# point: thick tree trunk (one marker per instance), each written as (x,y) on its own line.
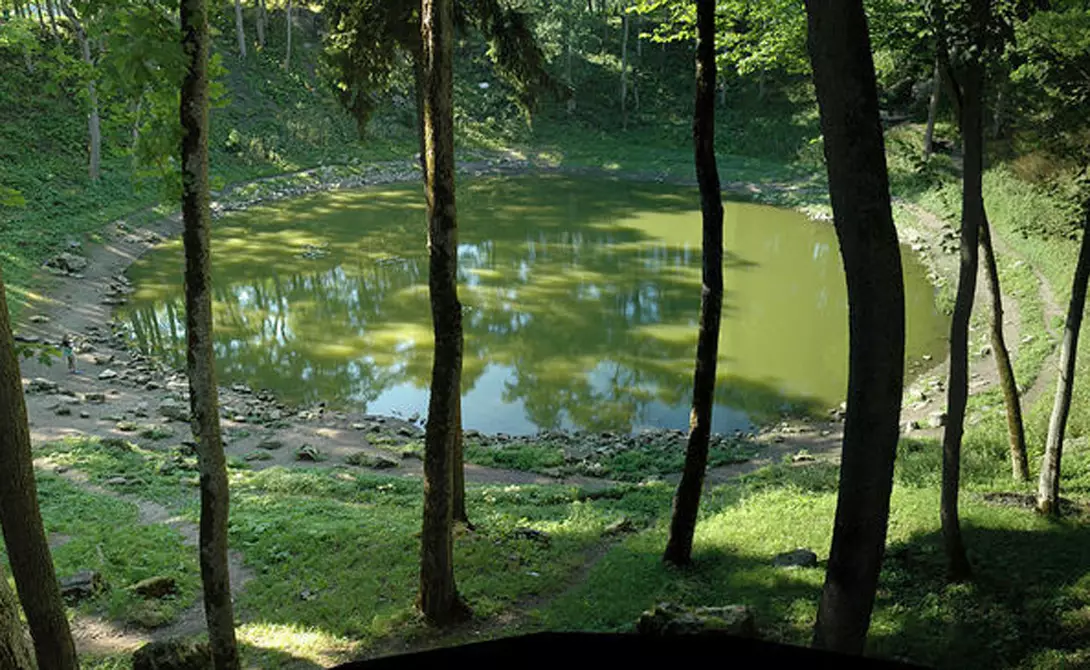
(844,79)
(287,51)
(932,111)
(21,518)
(94,130)
(1048,490)
(14,642)
(972,216)
(438,600)
(261,17)
(1015,429)
(200,363)
(679,545)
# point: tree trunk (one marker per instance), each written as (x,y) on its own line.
(14,643)
(53,21)
(41,17)
(844,80)
(624,71)
(932,111)
(94,130)
(287,52)
(261,17)
(239,30)
(1048,490)
(972,216)
(1015,430)
(679,545)
(458,494)
(21,518)
(200,364)
(438,600)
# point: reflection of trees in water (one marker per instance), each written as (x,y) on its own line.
(557,288)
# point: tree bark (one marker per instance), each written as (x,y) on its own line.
(94,130)
(932,111)
(200,363)
(439,600)
(261,17)
(624,71)
(14,642)
(679,544)
(458,474)
(287,52)
(846,87)
(21,518)
(1048,490)
(239,30)
(1016,433)
(53,21)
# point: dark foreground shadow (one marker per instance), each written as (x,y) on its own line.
(588,650)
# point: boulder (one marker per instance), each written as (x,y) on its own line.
(173,410)
(155,587)
(673,619)
(365,460)
(308,452)
(936,419)
(107,374)
(95,398)
(799,558)
(41,385)
(66,262)
(173,654)
(270,444)
(84,584)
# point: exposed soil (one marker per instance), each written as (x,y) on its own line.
(81,307)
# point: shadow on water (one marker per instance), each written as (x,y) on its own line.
(581,300)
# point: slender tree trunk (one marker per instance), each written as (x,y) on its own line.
(239,30)
(1048,490)
(418,90)
(200,363)
(932,111)
(439,600)
(458,493)
(844,79)
(21,518)
(287,52)
(1015,430)
(261,17)
(15,645)
(94,130)
(679,545)
(41,18)
(53,22)
(972,216)
(624,71)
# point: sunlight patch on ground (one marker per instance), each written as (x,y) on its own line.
(308,644)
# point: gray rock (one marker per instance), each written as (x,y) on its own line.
(532,534)
(173,410)
(84,584)
(175,654)
(116,481)
(85,415)
(66,262)
(107,374)
(672,619)
(155,587)
(62,410)
(936,419)
(95,398)
(41,385)
(270,444)
(365,460)
(799,558)
(308,452)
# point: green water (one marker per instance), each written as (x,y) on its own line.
(581,303)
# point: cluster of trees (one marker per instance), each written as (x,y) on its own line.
(970,46)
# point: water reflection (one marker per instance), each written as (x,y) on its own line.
(581,300)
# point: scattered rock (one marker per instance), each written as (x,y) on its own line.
(308,452)
(107,374)
(258,455)
(672,619)
(99,359)
(936,419)
(174,654)
(620,527)
(365,460)
(85,415)
(802,457)
(63,410)
(116,481)
(126,426)
(799,558)
(155,587)
(40,385)
(67,263)
(173,410)
(84,584)
(38,318)
(95,398)
(270,444)
(531,534)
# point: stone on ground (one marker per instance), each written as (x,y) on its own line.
(674,619)
(799,558)
(175,654)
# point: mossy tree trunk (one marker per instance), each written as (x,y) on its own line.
(844,79)
(21,518)
(239,31)
(679,544)
(438,599)
(14,643)
(1048,491)
(287,52)
(200,363)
